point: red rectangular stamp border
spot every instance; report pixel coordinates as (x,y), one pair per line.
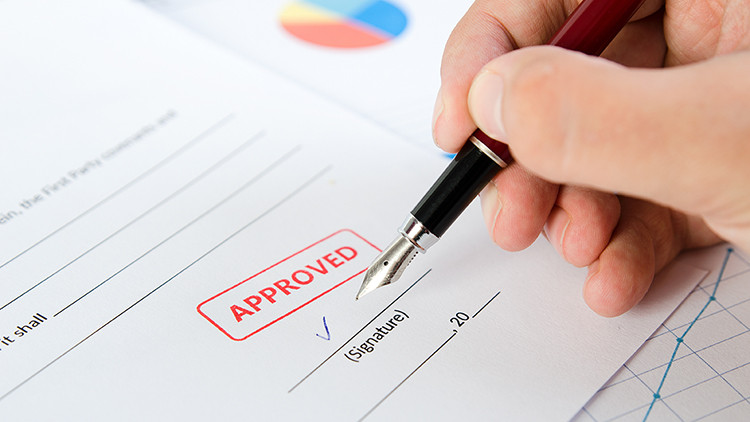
(215,324)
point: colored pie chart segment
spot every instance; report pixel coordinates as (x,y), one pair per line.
(343,23)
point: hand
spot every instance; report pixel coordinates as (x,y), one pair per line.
(673,142)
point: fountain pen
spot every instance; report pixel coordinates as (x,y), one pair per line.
(589,29)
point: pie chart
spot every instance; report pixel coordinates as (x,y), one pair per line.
(343,23)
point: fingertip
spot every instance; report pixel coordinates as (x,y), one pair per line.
(518,98)
(608,294)
(619,279)
(590,217)
(553,107)
(451,124)
(486,103)
(526,203)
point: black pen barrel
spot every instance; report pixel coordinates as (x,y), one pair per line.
(469,171)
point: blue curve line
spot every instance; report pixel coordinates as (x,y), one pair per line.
(657,394)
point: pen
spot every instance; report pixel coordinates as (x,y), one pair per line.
(589,29)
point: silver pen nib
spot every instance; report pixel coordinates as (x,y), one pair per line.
(389,265)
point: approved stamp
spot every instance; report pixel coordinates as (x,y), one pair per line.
(282,289)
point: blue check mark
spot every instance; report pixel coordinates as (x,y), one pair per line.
(328,333)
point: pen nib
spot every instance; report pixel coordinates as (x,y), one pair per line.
(388,266)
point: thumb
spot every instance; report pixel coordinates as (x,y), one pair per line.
(678,136)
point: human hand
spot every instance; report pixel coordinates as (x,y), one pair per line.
(674,142)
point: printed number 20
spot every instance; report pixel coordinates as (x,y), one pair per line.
(459,319)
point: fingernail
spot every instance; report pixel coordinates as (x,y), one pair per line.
(485,103)
(436,112)
(491,206)
(556,227)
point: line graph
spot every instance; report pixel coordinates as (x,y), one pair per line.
(681,339)
(697,365)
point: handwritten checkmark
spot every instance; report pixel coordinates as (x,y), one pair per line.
(328,333)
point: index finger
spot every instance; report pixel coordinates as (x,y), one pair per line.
(489,29)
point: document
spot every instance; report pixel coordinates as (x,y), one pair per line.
(182,235)
(703,376)
(390,77)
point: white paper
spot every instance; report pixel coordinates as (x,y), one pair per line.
(151,182)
